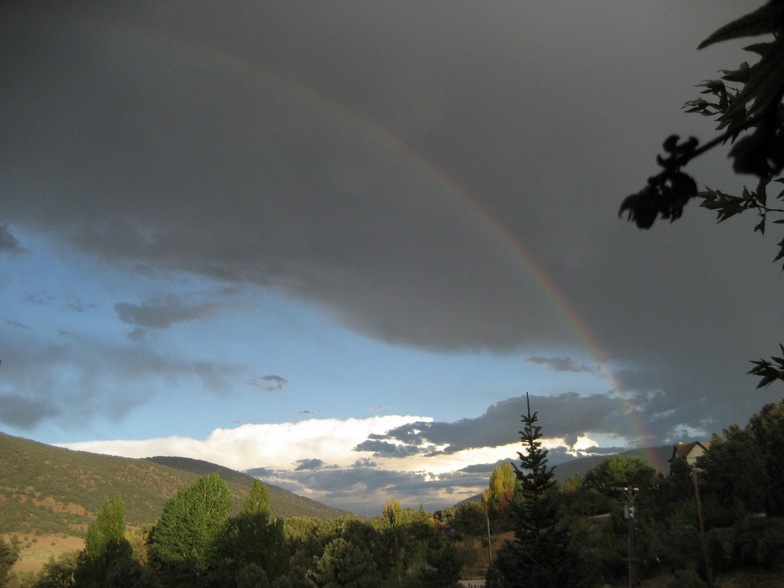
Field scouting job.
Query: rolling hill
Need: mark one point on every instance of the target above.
(48, 489)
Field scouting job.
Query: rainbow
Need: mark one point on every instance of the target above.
(139, 38)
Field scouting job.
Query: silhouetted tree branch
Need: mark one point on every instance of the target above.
(747, 105)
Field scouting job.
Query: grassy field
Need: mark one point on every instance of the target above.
(36, 550)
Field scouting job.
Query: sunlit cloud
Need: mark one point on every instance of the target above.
(329, 460)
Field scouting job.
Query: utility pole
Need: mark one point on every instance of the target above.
(708, 575)
(629, 494)
(489, 537)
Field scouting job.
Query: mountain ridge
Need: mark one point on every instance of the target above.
(49, 489)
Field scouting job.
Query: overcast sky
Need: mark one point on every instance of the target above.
(336, 243)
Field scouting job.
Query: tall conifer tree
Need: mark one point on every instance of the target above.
(541, 555)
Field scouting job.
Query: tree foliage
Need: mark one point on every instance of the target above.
(500, 491)
(345, 565)
(58, 572)
(542, 554)
(621, 470)
(105, 546)
(393, 512)
(743, 471)
(183, 541)
(746, 103)
(469, 518)
(441, 564)
(250, 541)
(9, 553)
(740, 477)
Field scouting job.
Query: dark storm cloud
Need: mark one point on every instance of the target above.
(215, 377)
(270, 383)
(308, 411)
(367, 485)
(126, 375)
(564, 416)
(351, 488)
(23, 412)
(77, 305)
(39, 299)
(309, 464)
(161, 313)
(8, 242)
(261, 473)
(319, 156)
(561, 364)
(648, 420)
(386, 449)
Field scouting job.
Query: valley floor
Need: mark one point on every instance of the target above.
(36, 550)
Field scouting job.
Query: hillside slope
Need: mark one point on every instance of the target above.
(283, 503)
(48, 489)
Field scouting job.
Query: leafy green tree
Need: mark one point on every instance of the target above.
(542, 554)
(130, 573)
(733, 477)
(382, 542)
(469, 518)
(58, 572)
(182, 543)
(250, 538)
(419, 516)
(744, 469)
(393, 512)
(105, 545)
(767, 430)
(252, 575)
(345, 565)
(9, 553)
(747, 105)
(498, 496)
(441, 564)
(258, 500)
(621, 470)
(306, 537)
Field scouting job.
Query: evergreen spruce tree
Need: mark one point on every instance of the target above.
(542, 554)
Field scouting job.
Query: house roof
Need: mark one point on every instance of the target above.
(684, 449)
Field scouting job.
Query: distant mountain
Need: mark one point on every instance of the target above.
(283, 503)
(583, 465)
(49, 489)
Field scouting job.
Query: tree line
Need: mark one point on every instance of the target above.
(196, 542)
(624, 522)
(621, 522)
